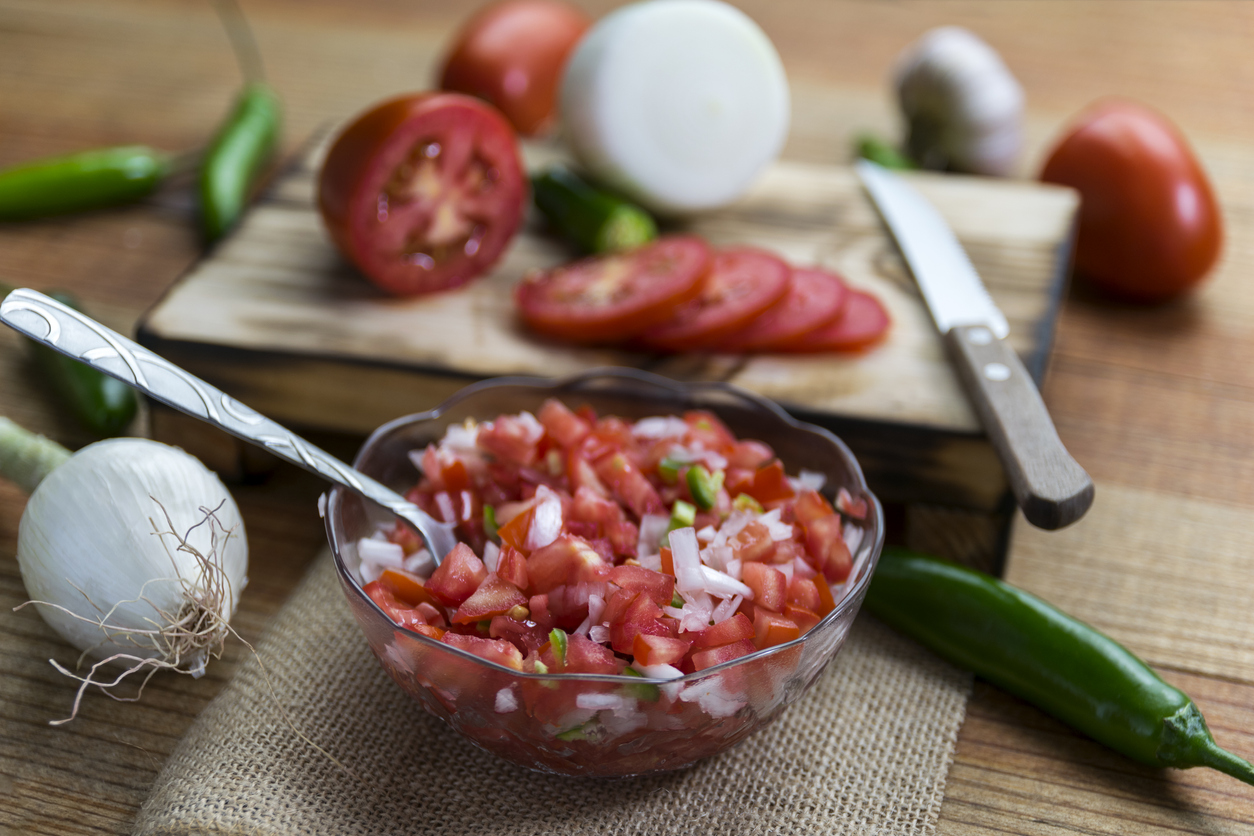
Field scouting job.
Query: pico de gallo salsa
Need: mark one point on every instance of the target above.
(593, 544)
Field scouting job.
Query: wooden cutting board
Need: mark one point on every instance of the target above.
(275, 317)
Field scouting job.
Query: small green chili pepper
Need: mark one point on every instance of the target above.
(1033, 650)
(703, 486)
(79, 182)
(490, 527)
(645, 691)
(557, 638)
(744, 502)
(668, 468)
(235, 159)
(103, 405)
(878, 151)
(594, 219)
(683, 514)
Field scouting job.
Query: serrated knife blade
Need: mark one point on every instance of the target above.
(1051, 488)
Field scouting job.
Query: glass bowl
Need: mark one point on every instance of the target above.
(598, 725)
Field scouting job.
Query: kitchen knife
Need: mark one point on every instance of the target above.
(1051, 488)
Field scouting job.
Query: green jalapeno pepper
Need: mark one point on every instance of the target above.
(236, 157)
(79, 182)
(1029, 648)
(103, 405)
(594, 219)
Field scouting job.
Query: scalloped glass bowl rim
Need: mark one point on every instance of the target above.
(851, 596)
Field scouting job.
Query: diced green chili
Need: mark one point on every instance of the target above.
(703, 486)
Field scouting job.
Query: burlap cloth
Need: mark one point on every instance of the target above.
(866, 751)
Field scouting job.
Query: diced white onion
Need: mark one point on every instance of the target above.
(716, 556)
(853, 537)
(420, 563)
(686, 557)
(506, 511)
(802, 569)
(787, 569)
(461, 438)
(706, 534)
(596, 606)
(659, 671)
(727, 608)
(381, 552)
(777, 529)
(808, 480)
(535, 430)
(735, 568)
(491, 556)
(506, 701)
(650, 561)
(732, 526)
(547, 522)
(713, 698)
(669, 426)
(722, 585)
(599, 633)
(600, 702)
(445, 505)
(652, 527)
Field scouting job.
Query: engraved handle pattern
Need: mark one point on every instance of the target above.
(79, 336)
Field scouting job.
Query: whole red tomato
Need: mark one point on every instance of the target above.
(512, 54)
(423, 192)
(1150, 226)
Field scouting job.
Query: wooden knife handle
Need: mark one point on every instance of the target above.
(1052, 489)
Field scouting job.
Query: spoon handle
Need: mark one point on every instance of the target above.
(70, 332)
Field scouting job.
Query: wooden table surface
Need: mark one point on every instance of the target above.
(1158, 404)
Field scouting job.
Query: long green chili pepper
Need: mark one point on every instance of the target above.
(243, 144)
(103, 405)
(1033, 650)
(82, 181)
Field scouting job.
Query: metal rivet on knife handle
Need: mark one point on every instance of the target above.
(1050, 486)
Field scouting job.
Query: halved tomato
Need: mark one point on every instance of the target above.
(814, 299)
(608, 298)
(742, 283)
(423, 192)
(862, 322)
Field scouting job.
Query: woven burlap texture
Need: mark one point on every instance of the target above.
(866, 751)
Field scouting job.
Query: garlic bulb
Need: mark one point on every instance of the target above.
(135, 554)
(963, 108)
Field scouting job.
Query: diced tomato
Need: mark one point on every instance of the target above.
(803, 617)
(617, 605)
(769, 585)
(811, 505)
(659, 650)
(668, 561)
(727, 631)
(707, 432)
(430, 631)
(404, 535)
(457, 576)
(703, 659)
(494, 650)
(493, 597)
(753, 543)
(514, 532)
(624, 537)
(401, 613)
(629, 485)
(581, 475)
(738, 480)
(511, 566)
(567, 559)
(771, 628)
(526, 635)
(510, 439)
(568, 606)
(586, 656)
(826, 602)
(804, 593)
(407, 587)
(539, 607)
(787, 551)
(641, 616)
(660, 588)
(590, 506)
(750, 454)
(770, 484)
(566, 428)
(826, 544)
(855, 508)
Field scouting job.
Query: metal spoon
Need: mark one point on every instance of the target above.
(47, 321)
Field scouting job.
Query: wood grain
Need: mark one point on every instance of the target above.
(1157, 402)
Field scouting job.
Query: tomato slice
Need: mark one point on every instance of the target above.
(742, 283)
(423, 192)
(814, 299)
(862, 323)
(612, 297)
